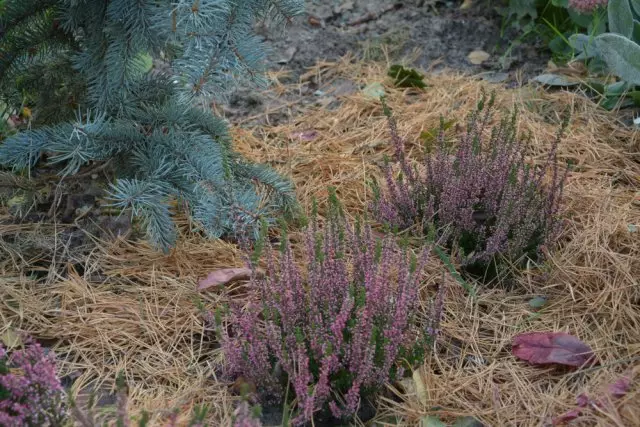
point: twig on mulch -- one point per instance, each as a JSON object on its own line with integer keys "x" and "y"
{"x": 372, "y": 16}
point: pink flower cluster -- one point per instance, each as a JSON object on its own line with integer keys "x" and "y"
{"x": 338, "y": 331}
{"x": 30, "y": 391}
{"x": 587, "y": 6}
{"x": 482, "y": 196}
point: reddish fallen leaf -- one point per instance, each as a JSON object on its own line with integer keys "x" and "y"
{"x": 307, "y": 135}
{"x": 544, "y": 348}
{"x": 566, "y": 417}
{"x": 224, "y": 276}
{"x": 615, "y": 390}
{"x": 583, "y": 400}
{"x": 619, "y": 388}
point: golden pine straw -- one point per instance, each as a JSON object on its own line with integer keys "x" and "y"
{"x": 135, "y": 309}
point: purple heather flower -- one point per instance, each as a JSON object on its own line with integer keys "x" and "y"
{"x": 318, "y": 330}
{"x": 35, "y": 394}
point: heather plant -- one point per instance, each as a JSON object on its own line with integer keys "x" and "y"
{"x": 337, "y": 333}
{"x": 479, "y": 196}
{"x": 30, "y": 391}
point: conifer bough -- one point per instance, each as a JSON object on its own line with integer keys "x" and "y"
{"x": 83, "y": 68}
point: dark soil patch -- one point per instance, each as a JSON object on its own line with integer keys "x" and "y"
{"x": 431, "y": 35}
{"x": 443, "y": 34}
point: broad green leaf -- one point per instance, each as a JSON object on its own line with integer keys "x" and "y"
{"x": 584, "y": 45}
{"x": 556, "y": 80}
{"x": 431, "y": 421}
{"x": 467, "y": 422}
{"x": 617, "y": 88}
{"x": 620, "y": 17}
{"x": 621, "y": 55}
{"x": 636, "y": 6}
{"x": 636, "y": 31}
{"x": 537, "y": 302}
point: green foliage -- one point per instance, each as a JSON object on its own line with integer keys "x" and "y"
{"x": 621, "y": 55}
{"x": 406, "y": 77}
{"x": 127, "y": 81}
{"x": 620, "y": 17}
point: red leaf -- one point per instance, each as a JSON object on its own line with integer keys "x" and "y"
{"x": 583, "y": 400}
{"x": 542, "y": 348}
{"x": 566, "y": 417}
{"x": 224, "y": 276}
{"x": 619, "y": 388}
{"x": 306, "y": 136}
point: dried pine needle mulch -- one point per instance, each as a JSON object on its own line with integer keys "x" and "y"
{"x": 135, "y": 310}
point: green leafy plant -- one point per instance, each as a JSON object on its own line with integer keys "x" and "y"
{"x": 128, "y": 82}
{"x": 406, "y": 77}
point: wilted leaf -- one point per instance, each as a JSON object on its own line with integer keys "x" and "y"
{"x": 10, "y": 338}
{"x": 306, "y": 135}
{"x": 374, "y": 90}
{"x": 542, "y": 348}
{"x": 556, "y": 80}
{"x": 224, "y": 276}
{"x": 537, "y": 302}
{"x": 477, "y": 57}
{"x": 431, "y": 421}
{"x": 406, "y": 77}
{"x": 566, "y": 417}
{"x": 620, "y": 388}
{"x": 421, "y": 392}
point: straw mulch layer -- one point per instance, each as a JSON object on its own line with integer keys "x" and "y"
{"x": 135, "y": 310}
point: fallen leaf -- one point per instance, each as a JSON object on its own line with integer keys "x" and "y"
{"x": 632, "y": 228}
{"x": 467, "y": 422}
{"x": 224, "y": 276}
{"x": 466, "y": 4}
{"x": 537, "y": 302}
{"x": 477, "y": 57}
{"x": 306, "y": 135}
{"x": 557, "y": 80}
{"x": 421, "y": 392}
{"x": 542, "y": 348}
{"x": 566, "y": 417}
{"x": 620, "y": 388}
{"x": 431, "y": 421}
{"x": 374, "y": 90}
{"x": 10, "y": 338}
{"x": 288, "y": 55}
{"x": 582, "y": 400}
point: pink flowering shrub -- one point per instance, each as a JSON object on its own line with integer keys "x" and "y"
{"x": 335, "y": 334}
{"x": 30, "y": 391}
{"x": 479, "y": 196}
{"x": 587, "y": 6}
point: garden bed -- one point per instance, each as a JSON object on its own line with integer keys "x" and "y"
{"x": 134, "y": 309}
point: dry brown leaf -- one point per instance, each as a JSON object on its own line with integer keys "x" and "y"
{"x": 477, "y": 57}
{"x": 223, "y": 277}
